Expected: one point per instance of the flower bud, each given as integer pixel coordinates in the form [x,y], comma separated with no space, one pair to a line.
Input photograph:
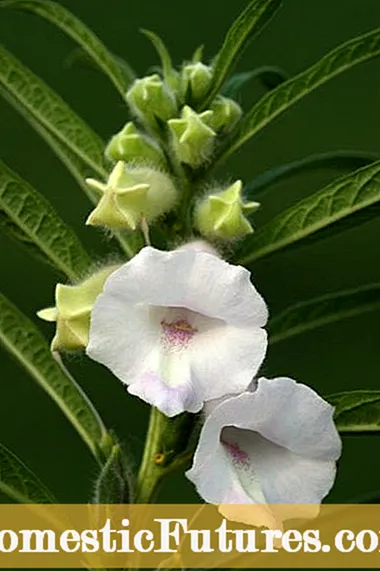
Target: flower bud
[226,113]
[72,311]
[193,139]
[196,81]
[221,214]
[131,194]
[199,246]
[150,99]
[130,144]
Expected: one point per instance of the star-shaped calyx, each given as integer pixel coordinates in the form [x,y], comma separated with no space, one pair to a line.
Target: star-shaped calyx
[221,214]
[193,139]
[131,194]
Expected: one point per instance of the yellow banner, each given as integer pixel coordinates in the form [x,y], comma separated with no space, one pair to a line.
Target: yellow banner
[188,536]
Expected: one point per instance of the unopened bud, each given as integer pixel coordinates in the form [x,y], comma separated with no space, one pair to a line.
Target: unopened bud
[221,214]
[226,113]
[129,144]
[72,311]
[196,81]
[131,194]
[200,246]
[193,139]
[150,99]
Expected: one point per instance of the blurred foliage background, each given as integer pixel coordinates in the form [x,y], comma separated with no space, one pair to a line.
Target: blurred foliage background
[344,114]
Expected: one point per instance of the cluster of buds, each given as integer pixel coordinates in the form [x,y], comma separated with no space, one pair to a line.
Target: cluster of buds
[176,128]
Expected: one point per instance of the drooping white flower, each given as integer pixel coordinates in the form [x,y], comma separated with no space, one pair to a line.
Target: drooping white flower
[179,328]
[275,445]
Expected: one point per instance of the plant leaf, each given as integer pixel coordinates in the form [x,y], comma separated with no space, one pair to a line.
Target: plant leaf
[25,342]
[250,22]
[356,411]
[345,56]
[163,53]
[80,33]
[323,310]
[346,202]
[19,483]
[30,218]
[77,168]
[111,487]
[333,159]
[269,75]
[47,108]
[82,58]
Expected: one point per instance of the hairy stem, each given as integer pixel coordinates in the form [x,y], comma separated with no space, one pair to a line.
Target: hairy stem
[151,472]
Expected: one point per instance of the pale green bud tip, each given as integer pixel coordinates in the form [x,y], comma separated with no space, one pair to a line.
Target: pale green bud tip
[193,138]
[130,195]
[226,113]
[73,310]
[196,80]
[221,214]
[129,144]
[150,98]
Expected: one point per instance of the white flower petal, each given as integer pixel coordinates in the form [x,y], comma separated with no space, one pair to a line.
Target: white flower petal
[123,340]
[192,279]
[293,416]
[277,445]
[225,361]
[169,400]
[181,321]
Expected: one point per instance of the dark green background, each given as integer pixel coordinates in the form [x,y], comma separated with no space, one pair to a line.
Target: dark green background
[343,114]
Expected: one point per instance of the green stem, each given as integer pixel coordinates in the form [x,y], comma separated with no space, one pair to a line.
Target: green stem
[169,447]
[150,472]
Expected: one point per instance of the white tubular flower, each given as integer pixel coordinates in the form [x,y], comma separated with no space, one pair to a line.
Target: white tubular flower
[276,445]
[179,328]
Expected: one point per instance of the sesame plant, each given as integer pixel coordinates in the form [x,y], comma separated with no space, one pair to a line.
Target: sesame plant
[185,240]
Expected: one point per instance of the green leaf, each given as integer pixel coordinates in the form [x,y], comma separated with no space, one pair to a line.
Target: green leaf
[344,57]
[344,203]
[356,411]
[77,168]
[19,483]
[111,487]
[47,108]
[80,33]
[323,310]
[82,58]
[163,53]
[30,218]
[250,22]
[331,160]
[26,343]
[269,75]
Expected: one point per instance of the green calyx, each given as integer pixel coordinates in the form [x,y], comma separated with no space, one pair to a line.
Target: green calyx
[225,114]
[151,99]
[129,144]
[72,311]
[131,195]
[192,137]
[196,81]
[222,214]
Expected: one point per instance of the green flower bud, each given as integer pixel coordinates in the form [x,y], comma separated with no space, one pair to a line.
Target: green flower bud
[72,311]
[193,139]
[221,214]
[130,144]
[150,99]
[131,194]
[196,80]
[226,113]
